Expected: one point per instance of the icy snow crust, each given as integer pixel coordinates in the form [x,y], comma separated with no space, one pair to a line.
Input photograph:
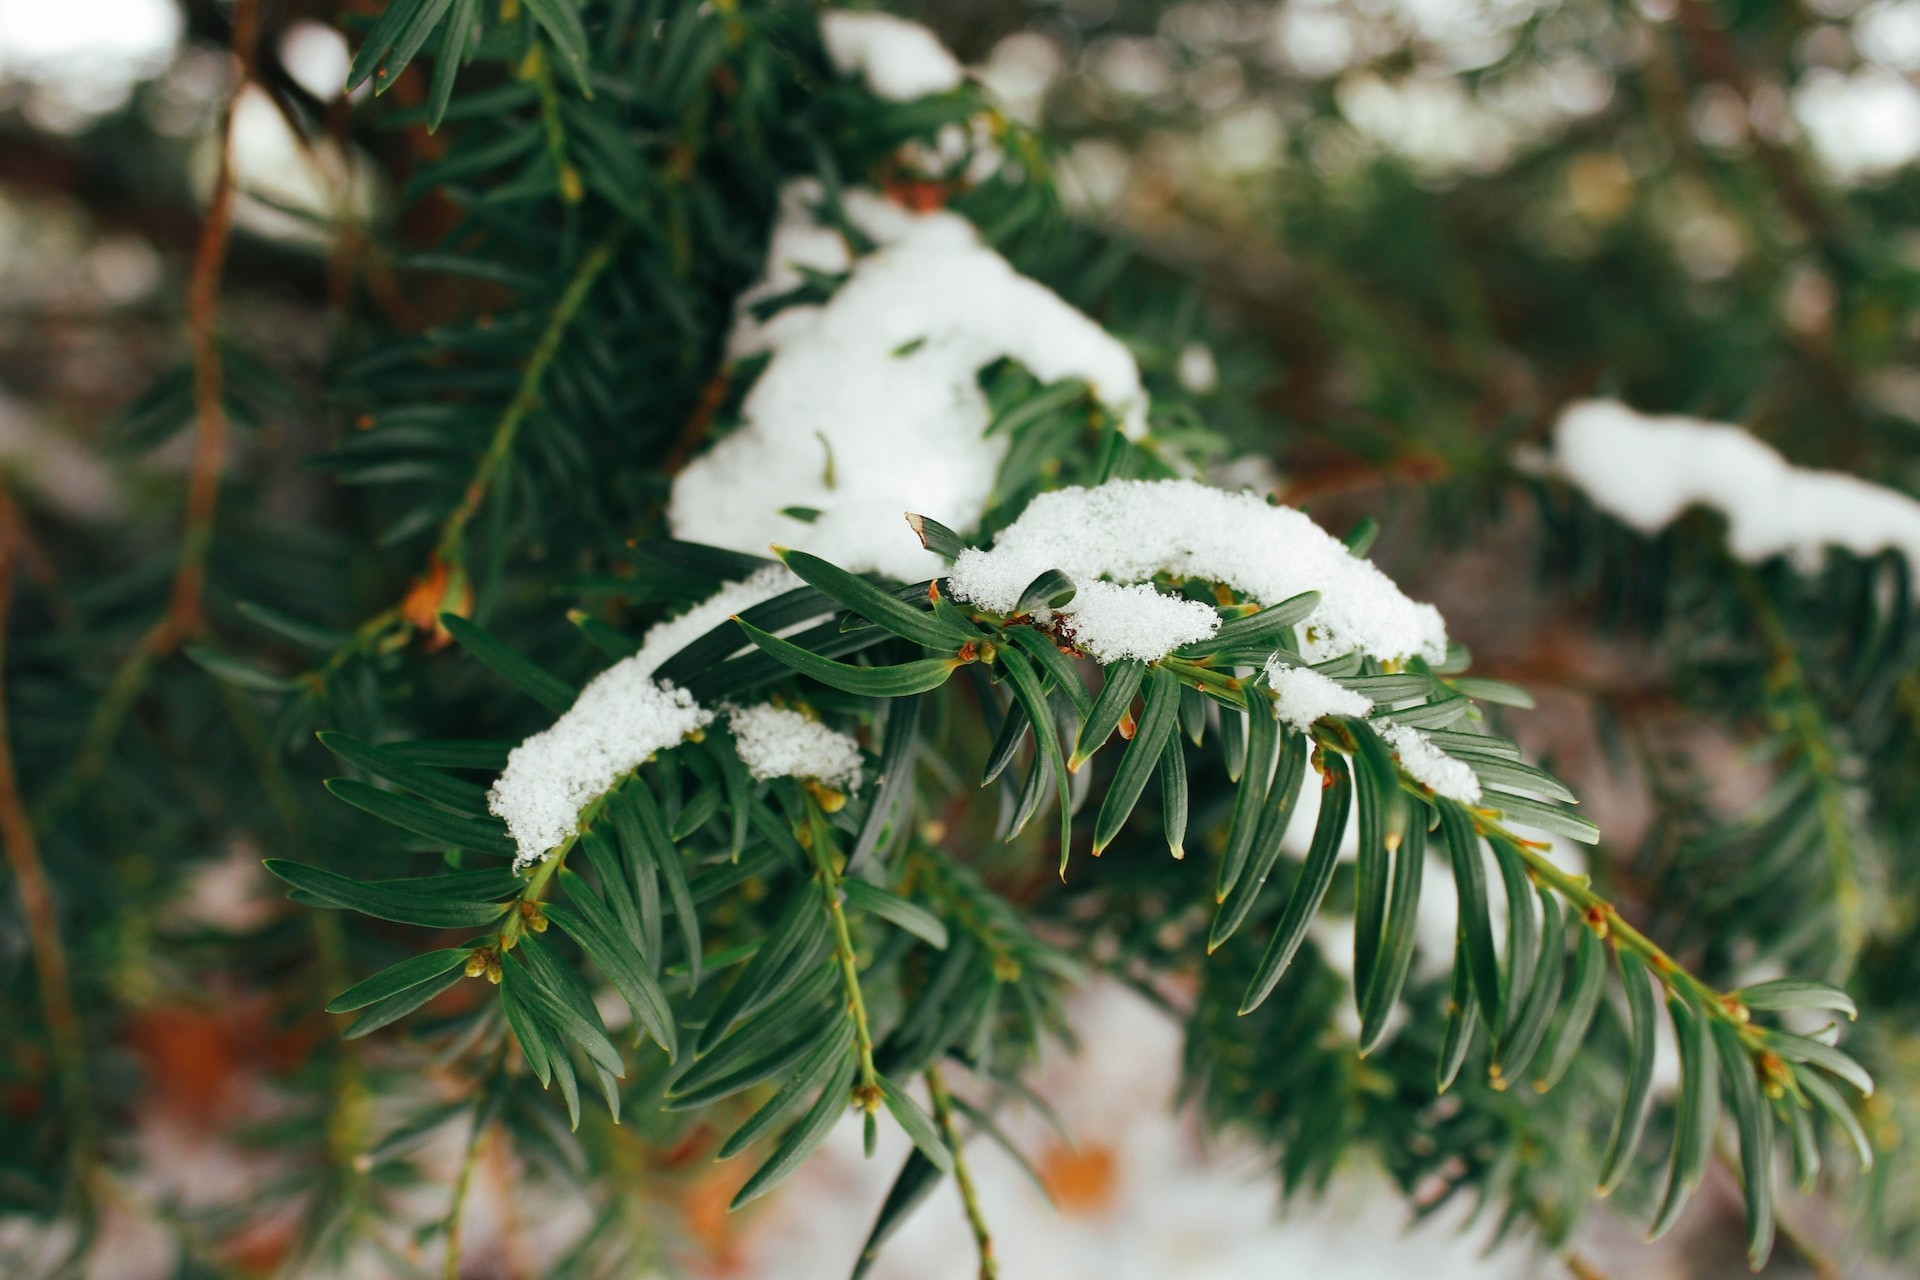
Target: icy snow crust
[1307,695]
[870,405]
[899,60]
[775,742]
[1647,470]
[1113,538]
[623,716]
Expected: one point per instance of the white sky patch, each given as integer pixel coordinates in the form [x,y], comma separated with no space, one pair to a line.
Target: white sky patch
[1646,471]
[1128,531]
[776,742]
[870,406]
[1306,695]
[623,716]
[900,60]
[1430,766]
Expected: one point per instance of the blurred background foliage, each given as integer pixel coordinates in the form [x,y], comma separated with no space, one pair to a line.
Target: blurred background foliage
[1364,249]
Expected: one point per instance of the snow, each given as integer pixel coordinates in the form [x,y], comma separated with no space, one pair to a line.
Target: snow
[1196,370]
[1114,623]
[776,742]
[1647,470]
[1129,531]
[623,716]
[900,60]
[1306,695]
[1429,766]
[870,405]
[1165,1199]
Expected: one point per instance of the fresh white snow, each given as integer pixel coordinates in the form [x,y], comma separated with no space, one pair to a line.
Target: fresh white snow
[1305,695]
[777,742]
[1647,470]
[900,60]
[623,716]
[870,405]
[1429,766]
[1129,531]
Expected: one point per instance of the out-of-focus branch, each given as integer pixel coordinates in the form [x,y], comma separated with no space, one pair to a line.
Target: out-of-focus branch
[36,895]
[185,614]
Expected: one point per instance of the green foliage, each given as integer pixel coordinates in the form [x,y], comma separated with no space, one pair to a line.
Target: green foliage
[782,954]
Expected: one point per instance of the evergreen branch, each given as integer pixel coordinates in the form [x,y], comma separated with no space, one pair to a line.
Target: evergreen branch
[1787,677]
[36,897]
[185,615]
[482,1124]
[527,397]
[962,1177]
[819,842]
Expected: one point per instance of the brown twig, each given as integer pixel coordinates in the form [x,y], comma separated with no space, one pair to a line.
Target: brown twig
[712,396]
[36,895]
[185,614]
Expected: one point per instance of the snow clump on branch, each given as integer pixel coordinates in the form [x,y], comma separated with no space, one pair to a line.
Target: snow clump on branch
[623,716]
[1125,533]
[870,405]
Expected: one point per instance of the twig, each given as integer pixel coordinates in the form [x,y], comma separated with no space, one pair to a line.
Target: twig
[712,396]
[526,399]
[36,895]
[482,1123]
[819,844]
[1788,677]
[185,616]
[184,612]
[943,1116]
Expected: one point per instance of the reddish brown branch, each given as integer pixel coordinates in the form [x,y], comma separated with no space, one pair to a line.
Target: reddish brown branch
[36,895]
[185,614]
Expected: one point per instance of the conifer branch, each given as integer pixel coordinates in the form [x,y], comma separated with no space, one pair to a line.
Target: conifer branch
[819,842]
[36,897]
[1787,679]
[962,1176]
[527,397]
[185,615]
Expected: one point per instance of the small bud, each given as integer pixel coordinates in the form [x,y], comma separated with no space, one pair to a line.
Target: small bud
[1006,968]
[477,964]
[829,800]
[493,972]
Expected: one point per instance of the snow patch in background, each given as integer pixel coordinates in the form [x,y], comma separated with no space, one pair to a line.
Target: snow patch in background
[1646,470]
[900,60]
[1143,1195]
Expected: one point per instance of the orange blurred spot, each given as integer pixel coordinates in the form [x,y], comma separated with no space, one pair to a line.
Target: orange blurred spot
[1082,1179]
[441,589]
